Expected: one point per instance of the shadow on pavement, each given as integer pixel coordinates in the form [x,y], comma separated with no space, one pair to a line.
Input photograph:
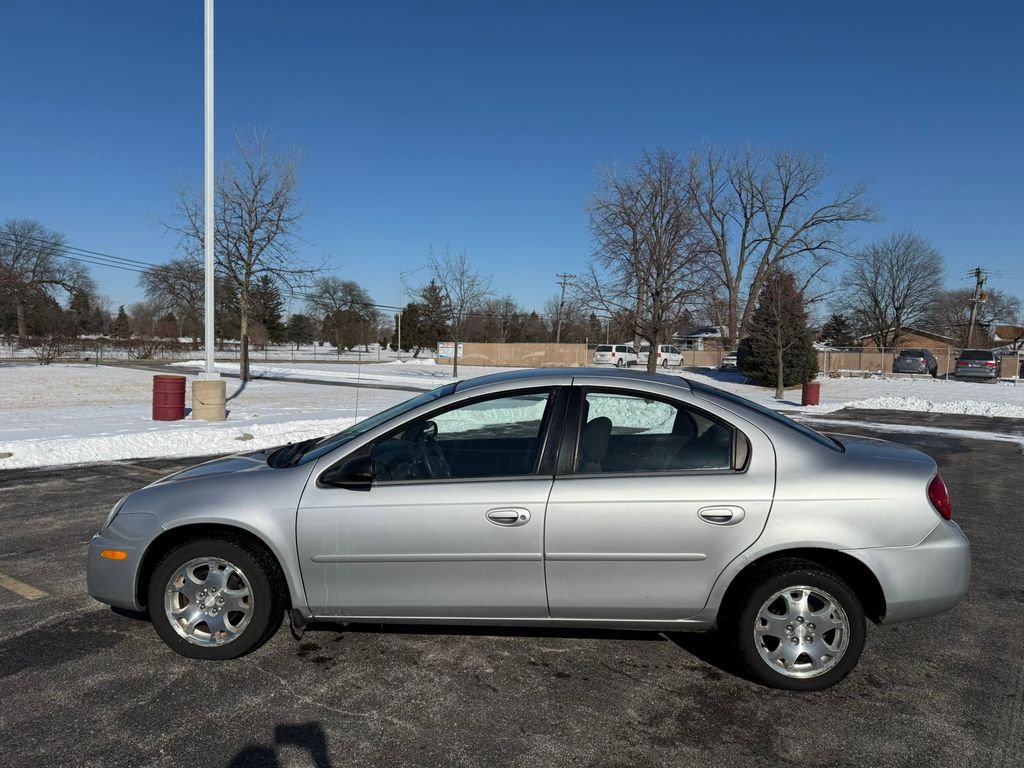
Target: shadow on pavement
[309,737]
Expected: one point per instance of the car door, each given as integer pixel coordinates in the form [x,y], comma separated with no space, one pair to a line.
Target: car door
[453,523]
[654,497]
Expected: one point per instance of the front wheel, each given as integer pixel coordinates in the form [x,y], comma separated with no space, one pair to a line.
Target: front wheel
[215,599]
[799,627]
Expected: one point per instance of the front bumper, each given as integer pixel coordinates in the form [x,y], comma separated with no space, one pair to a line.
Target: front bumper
[925,579]
[115,582]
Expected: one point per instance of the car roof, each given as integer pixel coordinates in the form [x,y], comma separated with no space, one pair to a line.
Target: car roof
[567,375]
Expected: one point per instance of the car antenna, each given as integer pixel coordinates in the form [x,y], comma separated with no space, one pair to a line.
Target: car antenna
[359,370]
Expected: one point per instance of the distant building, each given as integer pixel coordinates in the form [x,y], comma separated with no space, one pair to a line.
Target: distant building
[909,337]
[699,338]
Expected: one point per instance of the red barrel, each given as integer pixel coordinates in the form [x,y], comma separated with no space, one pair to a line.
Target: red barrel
[811,393]
[168,398]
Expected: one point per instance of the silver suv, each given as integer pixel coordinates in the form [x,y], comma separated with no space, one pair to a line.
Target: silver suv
[977,364]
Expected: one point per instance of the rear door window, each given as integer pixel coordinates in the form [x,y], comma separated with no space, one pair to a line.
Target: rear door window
[631,433]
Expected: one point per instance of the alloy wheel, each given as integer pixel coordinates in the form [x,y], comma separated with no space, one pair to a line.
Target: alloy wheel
[208,601]
[801,632]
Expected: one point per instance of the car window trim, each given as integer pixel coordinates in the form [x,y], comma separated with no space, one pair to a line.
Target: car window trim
[545,428]
[569,445]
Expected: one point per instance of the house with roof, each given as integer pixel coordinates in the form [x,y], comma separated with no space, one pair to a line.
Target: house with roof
[699,338]
[909,336]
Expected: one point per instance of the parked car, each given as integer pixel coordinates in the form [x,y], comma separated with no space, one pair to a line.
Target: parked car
[915,361]
[668,355]
[977,364]
[729,362]
[550,498]
[619,355]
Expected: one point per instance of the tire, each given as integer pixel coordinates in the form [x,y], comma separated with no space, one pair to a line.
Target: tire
[797,658]
[619,363]
[240,568]
[664,363]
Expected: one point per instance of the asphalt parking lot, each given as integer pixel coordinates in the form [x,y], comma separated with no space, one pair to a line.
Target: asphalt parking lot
[83,685]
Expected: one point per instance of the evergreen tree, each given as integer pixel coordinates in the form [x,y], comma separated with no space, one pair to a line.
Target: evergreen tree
[837,332]
[779,350]
[266,307]
[300,330]
[80,311]
[122,328]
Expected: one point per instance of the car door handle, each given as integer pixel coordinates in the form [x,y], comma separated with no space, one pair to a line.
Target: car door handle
[508,517]
[724,515]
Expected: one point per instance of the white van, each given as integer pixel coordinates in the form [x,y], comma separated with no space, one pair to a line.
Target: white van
[619,355]
[667,355]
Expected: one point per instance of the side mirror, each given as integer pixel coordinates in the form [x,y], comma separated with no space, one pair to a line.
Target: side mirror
[355,474]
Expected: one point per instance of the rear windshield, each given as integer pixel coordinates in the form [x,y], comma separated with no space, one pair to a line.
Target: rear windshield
[976,354]
[604,348]
[775,416]
[912,353]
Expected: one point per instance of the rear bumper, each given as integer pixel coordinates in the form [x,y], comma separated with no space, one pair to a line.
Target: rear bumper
[114,582]
[922,580]
[976,373]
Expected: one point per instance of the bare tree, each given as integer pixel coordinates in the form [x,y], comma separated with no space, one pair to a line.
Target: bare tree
[346,309]
[462,289]
[31,266]
[651,256]
[257,215]
[952,311]
[892,284]
[762,209]
[178,287]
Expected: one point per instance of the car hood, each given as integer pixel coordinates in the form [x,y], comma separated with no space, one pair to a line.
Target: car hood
[858,447]
[228,465]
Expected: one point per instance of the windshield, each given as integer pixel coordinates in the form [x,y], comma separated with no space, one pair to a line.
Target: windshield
[315,449]
[775,416]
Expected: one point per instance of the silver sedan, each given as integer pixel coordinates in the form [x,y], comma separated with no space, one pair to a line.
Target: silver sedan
[560,498]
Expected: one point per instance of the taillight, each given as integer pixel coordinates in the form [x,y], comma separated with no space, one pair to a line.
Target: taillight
[613,354]
[939,497]
[990,365]
[959,363]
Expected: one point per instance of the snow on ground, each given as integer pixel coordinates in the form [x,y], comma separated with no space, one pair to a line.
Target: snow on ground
[417,375]
[72,414]
[68,414]
[971,398]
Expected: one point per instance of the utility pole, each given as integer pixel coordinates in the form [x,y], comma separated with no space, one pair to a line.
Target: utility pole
[979,281]
[564,278]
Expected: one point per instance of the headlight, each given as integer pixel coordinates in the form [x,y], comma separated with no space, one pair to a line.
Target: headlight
[113,513]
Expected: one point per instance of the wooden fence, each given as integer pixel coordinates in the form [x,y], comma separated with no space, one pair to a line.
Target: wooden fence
[830,362]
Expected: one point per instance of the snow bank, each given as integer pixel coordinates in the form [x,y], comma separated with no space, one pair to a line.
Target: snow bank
[191,439]
[963,407]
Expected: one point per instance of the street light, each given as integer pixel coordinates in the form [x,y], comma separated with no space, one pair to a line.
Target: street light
[208,402]
[401,281]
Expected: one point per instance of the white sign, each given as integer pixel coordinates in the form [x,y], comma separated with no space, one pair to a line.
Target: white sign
[446,349]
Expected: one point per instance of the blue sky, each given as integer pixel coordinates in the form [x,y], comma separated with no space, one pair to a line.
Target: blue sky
[482,125]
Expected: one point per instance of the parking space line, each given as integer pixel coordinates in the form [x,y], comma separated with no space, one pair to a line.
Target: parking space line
[20,588]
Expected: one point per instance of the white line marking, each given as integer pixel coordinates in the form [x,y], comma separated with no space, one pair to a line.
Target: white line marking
[19,588]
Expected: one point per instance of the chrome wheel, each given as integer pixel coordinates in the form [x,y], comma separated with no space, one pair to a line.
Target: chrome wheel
[208,601]
[801,632]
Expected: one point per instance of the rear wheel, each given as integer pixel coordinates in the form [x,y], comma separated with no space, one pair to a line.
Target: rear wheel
[215,599]
[664,363]
[619,363]
[799,627]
